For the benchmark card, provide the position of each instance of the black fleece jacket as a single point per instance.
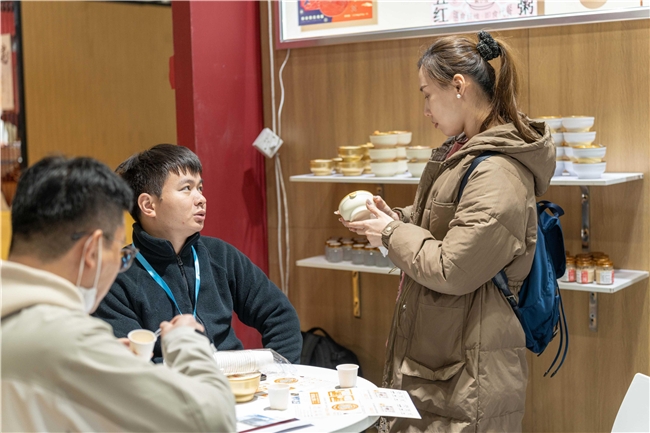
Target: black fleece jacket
(229, 282)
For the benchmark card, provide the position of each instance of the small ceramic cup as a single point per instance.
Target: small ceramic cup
(278, 395)
(347, 375)
(142, 342)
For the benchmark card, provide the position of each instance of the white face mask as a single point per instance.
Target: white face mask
(89, 295)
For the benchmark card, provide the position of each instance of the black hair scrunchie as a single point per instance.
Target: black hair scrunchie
(487, 47)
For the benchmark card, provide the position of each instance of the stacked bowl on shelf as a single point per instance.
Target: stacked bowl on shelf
(352, 163)
(576, 150)
(392, 154)
(388, 155)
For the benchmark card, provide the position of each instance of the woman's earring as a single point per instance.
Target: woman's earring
(458, 95)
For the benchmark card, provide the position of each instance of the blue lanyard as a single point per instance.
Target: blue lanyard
(165, 287)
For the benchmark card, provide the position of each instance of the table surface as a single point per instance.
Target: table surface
(329, 380)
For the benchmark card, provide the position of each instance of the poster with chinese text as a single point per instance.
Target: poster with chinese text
(463, 11)
(552, 7)
(311, 12)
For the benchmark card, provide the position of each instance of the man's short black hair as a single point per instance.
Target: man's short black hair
(146, 172)
(59, 199)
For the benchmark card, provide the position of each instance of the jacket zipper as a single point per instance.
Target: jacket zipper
(400, 307)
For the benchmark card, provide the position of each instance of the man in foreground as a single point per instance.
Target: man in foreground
(63, 370)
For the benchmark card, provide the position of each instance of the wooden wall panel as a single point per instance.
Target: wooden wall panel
(96, 78)
(599, 70)
(337, 95)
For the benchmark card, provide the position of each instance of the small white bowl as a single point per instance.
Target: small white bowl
(559, 168)
(353, 206)
(589, 171)
(402, 167)
(568, 166)
(244, 386)
(568, 151)
(418, 152)
(384, 140)
(403, 137)
(401, 152)
(416, 167)
(384, 169)
(558, 138)
(559, 152)
(588, 153)
(383, 154)
(577, 123)
(553, 122)
(572, 138)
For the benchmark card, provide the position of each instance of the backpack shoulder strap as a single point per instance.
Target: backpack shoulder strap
(482, 157)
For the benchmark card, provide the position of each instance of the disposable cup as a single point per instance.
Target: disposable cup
(347, 375)
(141, 342)
(278, 395)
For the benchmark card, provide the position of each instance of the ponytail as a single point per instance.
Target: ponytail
(504, 107)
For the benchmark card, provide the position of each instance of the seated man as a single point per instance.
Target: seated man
(180, 272)
(63, 370)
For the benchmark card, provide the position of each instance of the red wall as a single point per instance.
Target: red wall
(217, 77)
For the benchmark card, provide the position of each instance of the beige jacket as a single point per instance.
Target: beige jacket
(455, 344)
(63, 370)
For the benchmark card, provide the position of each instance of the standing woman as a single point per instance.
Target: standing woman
(455, 344)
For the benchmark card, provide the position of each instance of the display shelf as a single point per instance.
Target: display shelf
(622, 277)
(407, 178)
(606, 180)
(320, 262)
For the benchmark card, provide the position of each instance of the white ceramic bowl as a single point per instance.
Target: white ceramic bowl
(568, 151)
(553, 122)
(577, 123)
(401, 152)
(403, 137)
(353, 206)
(568, 166)
(573, 138)
(559, 168)
(383, 154)
(384, 169)
(589, 171)
(596, 153)
(558, 138)
(559, 152)
(418, 152)
(384, 140)
(402, 167)
(416, 167)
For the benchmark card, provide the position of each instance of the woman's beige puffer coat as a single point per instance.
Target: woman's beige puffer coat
(455, 344)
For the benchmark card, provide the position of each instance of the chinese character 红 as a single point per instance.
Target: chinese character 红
(439, 15)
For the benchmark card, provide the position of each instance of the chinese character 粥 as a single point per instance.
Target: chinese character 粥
(525, 7)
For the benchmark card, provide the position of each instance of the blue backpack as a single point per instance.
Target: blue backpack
(540, 308)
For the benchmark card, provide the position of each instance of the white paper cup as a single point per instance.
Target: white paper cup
(347, 375)
(141, 342)
(278, 395)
